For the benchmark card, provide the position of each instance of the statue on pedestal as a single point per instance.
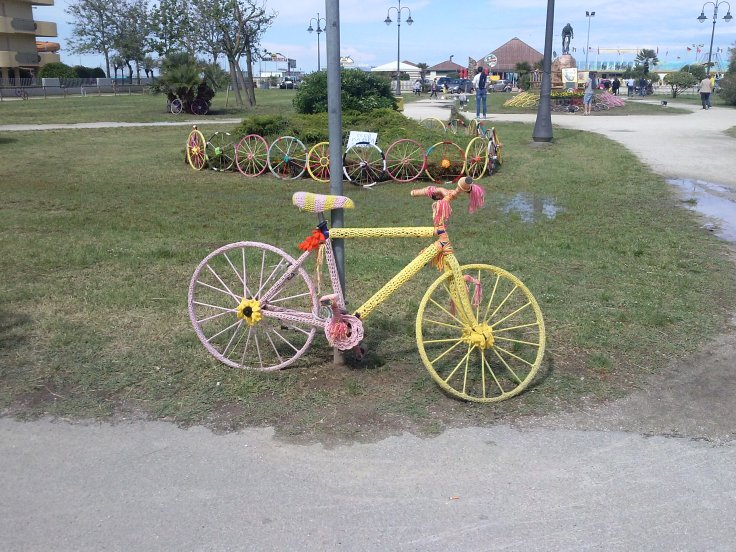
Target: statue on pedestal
(567, 34)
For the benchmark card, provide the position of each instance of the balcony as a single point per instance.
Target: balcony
(45, 28)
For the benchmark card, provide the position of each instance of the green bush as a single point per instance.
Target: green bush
(697, 70)
(83, 72)
(361, 92)
(679, 80)
(727, 88)
(57, 70)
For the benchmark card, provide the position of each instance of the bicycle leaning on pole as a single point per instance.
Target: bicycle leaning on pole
(479, 330)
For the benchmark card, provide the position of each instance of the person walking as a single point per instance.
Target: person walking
(588, 93)
(642, 86)
(705, 90)
(479, 83)
(615, 85)
(433, 89)
(630, 86)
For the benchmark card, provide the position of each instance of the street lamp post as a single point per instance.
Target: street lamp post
(589, 15)
(319, 30)
(387, 21)
(702, 18)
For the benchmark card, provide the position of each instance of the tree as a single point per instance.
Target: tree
(647, 59)
(170, 27)
(696, 70)
(679, 81)
(524, 69)
(241, 24)
(92, 28)
(132, 31)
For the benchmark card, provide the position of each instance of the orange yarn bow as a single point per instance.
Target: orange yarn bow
(313, 242)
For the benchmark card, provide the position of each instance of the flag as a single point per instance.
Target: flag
(698, 50)
(689, 49)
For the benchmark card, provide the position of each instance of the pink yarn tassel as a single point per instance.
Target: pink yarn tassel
(477, 198)
(442, 211)
(477, 292)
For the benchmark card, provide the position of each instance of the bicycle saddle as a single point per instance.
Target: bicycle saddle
(318, 203)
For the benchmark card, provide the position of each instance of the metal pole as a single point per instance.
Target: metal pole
(319, 66)
(587, 45)
(712, 32)
(398, 51)
(543, 124)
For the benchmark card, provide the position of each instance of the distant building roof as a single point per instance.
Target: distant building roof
(446, 66)
(509, 54)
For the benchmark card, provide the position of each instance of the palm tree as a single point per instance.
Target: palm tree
(647, 58)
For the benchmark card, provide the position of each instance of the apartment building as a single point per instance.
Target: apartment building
(18, 33)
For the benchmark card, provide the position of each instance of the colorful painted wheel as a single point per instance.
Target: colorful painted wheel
(318, 162)
(175, 106)
(405, 160)
(199, 107)
(364, 164)
(498, 147)
(494, 353)
(196, 150)
(287, 158)
(476, 157)
(433, 123)
(445, 162)
(221, 152)
(251, 155)
(473, 128)
(246, 310)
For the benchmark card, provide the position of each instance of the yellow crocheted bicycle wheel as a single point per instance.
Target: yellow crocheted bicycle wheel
(318, 162)
(495, 355)
(196, 150)
(433, 123)
(476, 157)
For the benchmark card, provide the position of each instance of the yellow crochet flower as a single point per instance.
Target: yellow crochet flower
(249, 310)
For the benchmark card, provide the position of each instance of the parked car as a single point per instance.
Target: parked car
(442, 81)
(455, 86)
(500, 86)
(288, 83)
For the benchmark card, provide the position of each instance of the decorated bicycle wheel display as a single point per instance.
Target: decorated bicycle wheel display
(445, 162)
(246, 312)
(287, 158)
(405, 160)
(497, 149)
(433, 123)
(318, 162)
(476, 157)
(364, 164)
(220, 151)
(175, 106)
(473, 128)
(199, 107)
(490, 354)
(251, 155)
(196, 150)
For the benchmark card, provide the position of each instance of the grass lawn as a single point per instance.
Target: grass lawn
(100, 237)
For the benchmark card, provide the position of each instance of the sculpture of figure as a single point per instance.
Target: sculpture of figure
(567, 34)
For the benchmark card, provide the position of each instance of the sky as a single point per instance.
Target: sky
(441, 30)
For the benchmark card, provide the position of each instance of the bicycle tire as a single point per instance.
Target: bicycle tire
(491, 357)
(244, 310)
(364, 164)
(251, 155)
(405, 160)
(287, 158)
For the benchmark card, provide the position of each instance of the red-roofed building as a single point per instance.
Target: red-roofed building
(508, 55)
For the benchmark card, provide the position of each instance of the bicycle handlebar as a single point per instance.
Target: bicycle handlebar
(443, 197)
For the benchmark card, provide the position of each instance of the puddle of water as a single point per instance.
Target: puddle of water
(531, 207)
(716, 202)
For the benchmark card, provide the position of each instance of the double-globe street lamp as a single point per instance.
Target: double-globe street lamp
(589, 15)
(387, 21)
(702, 18)
(319, 31)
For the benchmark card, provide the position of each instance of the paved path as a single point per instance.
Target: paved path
(635, 475)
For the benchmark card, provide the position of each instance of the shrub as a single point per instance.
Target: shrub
(58, 70)
(361, 92)
(727, 88)
(697, 70)
(679, 80)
